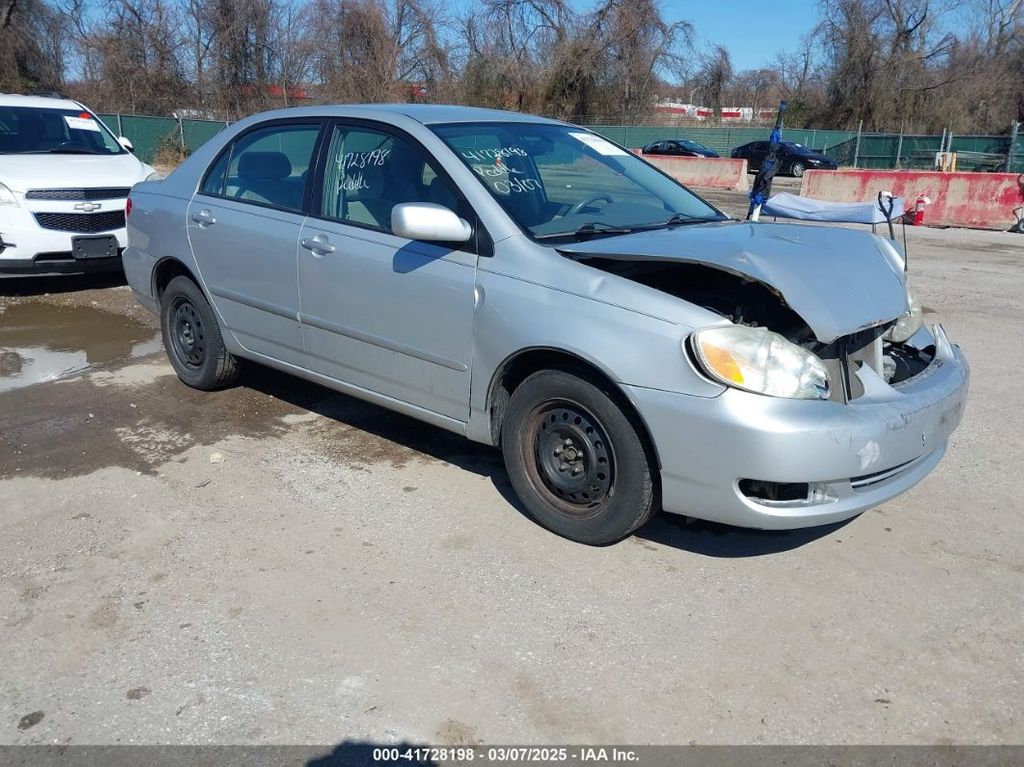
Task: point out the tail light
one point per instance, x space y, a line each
128 207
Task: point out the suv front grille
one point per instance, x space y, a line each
96 193
82 222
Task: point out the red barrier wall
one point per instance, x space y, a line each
974 200
708 172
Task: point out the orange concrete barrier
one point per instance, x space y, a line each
707 172
973 200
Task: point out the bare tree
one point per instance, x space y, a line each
32 36
376 50
886 62
713 78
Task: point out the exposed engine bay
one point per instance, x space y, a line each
745 301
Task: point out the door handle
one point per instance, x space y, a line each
204 218
318 244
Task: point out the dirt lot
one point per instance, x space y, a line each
278 563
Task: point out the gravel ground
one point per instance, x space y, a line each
277 563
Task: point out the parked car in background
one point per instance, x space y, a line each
795 158
679 147
64 180
530 285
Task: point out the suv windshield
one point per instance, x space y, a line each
35 130
557 181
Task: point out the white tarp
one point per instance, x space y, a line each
786 205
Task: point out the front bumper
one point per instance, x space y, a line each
28 249
856 455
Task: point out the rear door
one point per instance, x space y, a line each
244 224
384 313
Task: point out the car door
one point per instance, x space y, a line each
384 313
243 225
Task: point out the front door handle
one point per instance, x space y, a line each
204 218
318 244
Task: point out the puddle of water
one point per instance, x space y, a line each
42 342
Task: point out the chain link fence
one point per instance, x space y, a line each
152 135
849 148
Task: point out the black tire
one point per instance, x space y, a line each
598 487
192 338
797 169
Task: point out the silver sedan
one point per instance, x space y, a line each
531 285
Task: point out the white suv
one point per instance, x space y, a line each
64 179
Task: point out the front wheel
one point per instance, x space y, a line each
192 338
576 459
798 169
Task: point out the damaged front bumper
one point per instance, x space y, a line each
764 462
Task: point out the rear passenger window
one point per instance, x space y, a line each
270 166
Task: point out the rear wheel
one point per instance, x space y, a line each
576 458
192 337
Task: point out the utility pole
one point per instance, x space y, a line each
1010 151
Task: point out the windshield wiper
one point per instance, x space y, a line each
61 150
589 228
678 219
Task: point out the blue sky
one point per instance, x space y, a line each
753 31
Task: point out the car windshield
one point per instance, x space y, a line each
35 130
557 181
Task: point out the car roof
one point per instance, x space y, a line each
427 114
41 102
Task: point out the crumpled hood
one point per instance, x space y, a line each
838 280
70 171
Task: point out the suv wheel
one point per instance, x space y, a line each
192 338
576 459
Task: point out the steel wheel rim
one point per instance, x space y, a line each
188 335
569 458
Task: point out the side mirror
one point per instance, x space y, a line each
430 222
126 143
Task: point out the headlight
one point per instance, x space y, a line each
760 361
7 197
155 176
908 324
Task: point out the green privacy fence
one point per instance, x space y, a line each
148 133
867 150
721 139
977 153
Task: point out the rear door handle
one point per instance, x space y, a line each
204 218
318 244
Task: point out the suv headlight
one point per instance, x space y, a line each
908 324
7 197
760 361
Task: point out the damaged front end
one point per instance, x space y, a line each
850 309
862 399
